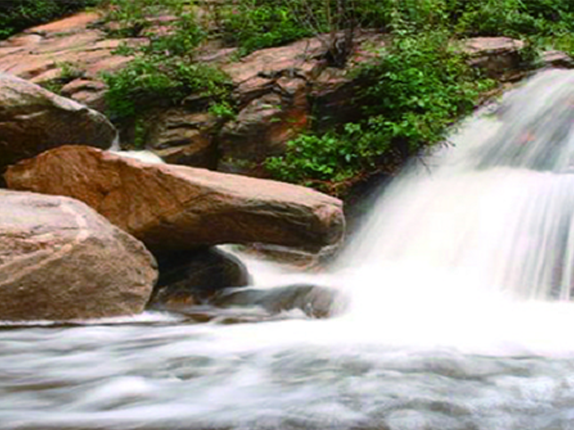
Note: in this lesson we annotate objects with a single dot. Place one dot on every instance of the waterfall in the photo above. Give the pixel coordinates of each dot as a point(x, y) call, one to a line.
point(497, 209)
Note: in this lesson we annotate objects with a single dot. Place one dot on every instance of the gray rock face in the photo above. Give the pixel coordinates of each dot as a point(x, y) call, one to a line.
point(33, 120)
point(60, 260)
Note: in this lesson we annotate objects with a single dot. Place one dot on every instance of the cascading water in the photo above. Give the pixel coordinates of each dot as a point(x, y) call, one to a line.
point(455, 321)
point(498, 208)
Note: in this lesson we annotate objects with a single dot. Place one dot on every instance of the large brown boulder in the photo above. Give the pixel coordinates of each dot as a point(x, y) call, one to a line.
point(60, 260)
point(495, 55)
point(33, 120)
point(173, 208)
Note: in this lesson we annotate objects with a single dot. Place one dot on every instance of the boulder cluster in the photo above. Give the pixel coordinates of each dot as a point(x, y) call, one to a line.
point(82, 228)
point(87, 232)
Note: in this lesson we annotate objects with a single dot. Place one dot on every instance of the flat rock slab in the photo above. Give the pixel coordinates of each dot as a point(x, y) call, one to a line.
point(60, 260)
point(33, 120)
point(173, 208)
point(40, 53)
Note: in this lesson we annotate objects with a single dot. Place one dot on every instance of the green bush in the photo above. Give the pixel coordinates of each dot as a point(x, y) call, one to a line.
point(257, 24)
point(150, 79)
point(163, 71)
point(416, 90)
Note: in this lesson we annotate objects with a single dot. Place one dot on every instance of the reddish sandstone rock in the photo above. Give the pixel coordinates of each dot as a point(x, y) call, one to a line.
point(174, 208)
point(42, 54)
point(60, 260)
point(276, 89)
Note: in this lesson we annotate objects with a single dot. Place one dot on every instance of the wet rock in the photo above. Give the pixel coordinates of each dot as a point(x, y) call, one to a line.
point(187, 278)
point(495, 55)
point(174, 208)
point(60, 260)
point(33, 120)
point(313, 300)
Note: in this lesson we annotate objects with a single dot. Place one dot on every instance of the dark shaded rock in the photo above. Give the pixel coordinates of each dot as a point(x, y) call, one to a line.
point(313, 300)
point(192, 277)
point(182, 137)
point(261, 130)
point(60, 260)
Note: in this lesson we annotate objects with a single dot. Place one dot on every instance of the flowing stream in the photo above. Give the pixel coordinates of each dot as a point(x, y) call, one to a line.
point(460, 317)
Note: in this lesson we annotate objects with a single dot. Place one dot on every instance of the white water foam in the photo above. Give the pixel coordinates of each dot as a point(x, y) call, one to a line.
point(474, 248)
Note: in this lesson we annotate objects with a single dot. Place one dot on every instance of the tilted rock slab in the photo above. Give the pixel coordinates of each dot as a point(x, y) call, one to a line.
point(60, 260)
point(33, 120)
point(172, 207)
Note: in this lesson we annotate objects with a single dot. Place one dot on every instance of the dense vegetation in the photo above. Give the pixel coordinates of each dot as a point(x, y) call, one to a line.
point(420, 85)
point(417, 87)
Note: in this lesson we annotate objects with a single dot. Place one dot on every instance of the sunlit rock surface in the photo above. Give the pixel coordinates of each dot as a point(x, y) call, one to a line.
point(173, 208)
point(60, 260)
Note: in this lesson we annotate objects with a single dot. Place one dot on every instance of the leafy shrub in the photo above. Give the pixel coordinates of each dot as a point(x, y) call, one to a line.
point(186, 35)
point(133, 16)
point(257, 24)
point(149, 80)
point(416, 91)
point(163, 71)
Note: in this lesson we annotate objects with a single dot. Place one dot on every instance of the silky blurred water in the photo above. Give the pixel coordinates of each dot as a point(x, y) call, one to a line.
point(459, 318)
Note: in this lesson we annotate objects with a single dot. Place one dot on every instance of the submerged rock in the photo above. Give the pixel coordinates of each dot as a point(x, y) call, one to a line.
point(33, 120)
point(60, 260)
point(313, 300)
point(192, 277)
point(175, 208)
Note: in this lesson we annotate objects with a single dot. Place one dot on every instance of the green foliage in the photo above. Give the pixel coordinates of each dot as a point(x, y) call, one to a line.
point(131, 17)
point(163, 71)
point(256, 24)
point(223, 109)
point(150, 79)
point(17, 15)
point(416, 90)
point(185, 36)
